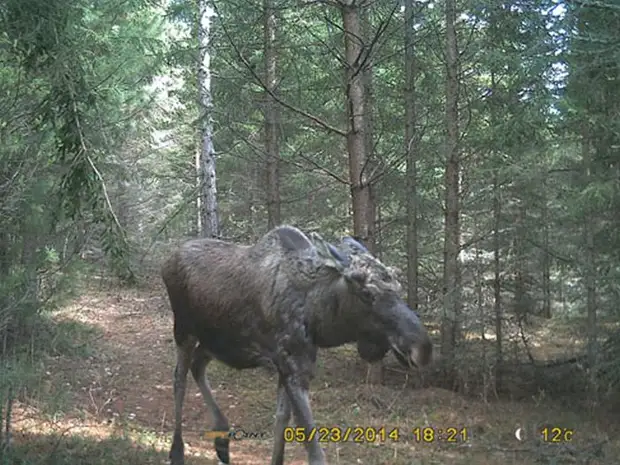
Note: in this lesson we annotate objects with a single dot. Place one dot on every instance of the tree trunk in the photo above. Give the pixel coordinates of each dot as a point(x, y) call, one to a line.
point(209, 221)
point(546, 258)
point(357, 141)
point(452, 279)
point(369, 141)
point(519, 288)
point(497, 215)
point(590, 279)
point(356, 137)
point(375, 370)
point(5, 247)
point(272, 148)
point(480, 270)
point(522, 303)
point(411, 155)
point(497, 283)
point(562, 288)
point(122, 208)
point(198, 197)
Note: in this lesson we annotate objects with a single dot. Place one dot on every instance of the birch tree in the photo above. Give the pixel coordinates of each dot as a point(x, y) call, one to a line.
point(272, 148)
point(207, 190)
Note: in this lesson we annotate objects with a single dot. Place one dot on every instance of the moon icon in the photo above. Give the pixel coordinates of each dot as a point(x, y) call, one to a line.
point(518, 434)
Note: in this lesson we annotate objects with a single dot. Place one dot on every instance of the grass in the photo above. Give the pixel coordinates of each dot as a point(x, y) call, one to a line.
point(58, 449)
point(98, 391)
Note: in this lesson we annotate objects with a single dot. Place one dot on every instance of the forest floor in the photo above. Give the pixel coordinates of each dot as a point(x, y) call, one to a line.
point(110, 401)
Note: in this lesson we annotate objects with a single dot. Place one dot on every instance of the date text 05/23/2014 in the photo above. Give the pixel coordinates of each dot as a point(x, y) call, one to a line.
point(362, 434)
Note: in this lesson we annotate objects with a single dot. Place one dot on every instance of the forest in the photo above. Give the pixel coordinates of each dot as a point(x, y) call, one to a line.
point(472, 145)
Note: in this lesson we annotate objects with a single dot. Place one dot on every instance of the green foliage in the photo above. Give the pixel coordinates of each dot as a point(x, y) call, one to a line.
point(72, 81)
point(519, 127)
point(97, 152)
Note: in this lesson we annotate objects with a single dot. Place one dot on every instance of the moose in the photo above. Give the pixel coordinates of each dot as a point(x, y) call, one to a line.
point(273, 304)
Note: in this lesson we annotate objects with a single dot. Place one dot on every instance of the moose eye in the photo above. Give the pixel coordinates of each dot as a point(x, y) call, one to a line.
point(366, 296)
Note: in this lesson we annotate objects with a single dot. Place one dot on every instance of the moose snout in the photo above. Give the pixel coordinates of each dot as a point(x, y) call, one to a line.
point(421, 354)
point(411, 342)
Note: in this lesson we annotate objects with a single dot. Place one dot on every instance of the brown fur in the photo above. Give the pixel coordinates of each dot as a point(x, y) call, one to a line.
point(273, 304)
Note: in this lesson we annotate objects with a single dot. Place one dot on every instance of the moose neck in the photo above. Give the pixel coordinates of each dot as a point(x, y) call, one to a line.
point(336, 319)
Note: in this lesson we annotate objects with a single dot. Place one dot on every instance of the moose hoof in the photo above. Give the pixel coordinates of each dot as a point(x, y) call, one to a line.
point(221, 448)
point(177, 461)
point(176, 457)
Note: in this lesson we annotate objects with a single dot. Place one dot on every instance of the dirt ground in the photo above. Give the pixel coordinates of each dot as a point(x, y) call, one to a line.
point(122, 385)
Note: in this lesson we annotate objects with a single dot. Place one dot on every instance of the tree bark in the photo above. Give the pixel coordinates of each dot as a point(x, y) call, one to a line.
point(497, 283)
point(357, 138)
point(480, 270)
point(590, 279)
point(122, 208)
point(546, 258)
point(208, 211)
point(375, 370)
point(452, 278)
point(497, 215)
point(411, 155)
point(522, 302)
point(272, 143)
point(198, 223)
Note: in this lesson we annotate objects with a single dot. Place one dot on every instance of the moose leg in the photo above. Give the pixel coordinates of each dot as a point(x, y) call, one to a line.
point(199, 364)
point(184, 356)
point(283, 415)
point(300, 402)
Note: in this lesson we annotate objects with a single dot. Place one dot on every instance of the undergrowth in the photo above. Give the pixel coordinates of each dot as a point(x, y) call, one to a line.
point(33, 337)
point(57, 449)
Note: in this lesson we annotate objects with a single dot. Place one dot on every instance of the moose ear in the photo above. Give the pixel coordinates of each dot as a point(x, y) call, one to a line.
point(331, 255)
point(335, 253)
point(355, 244)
